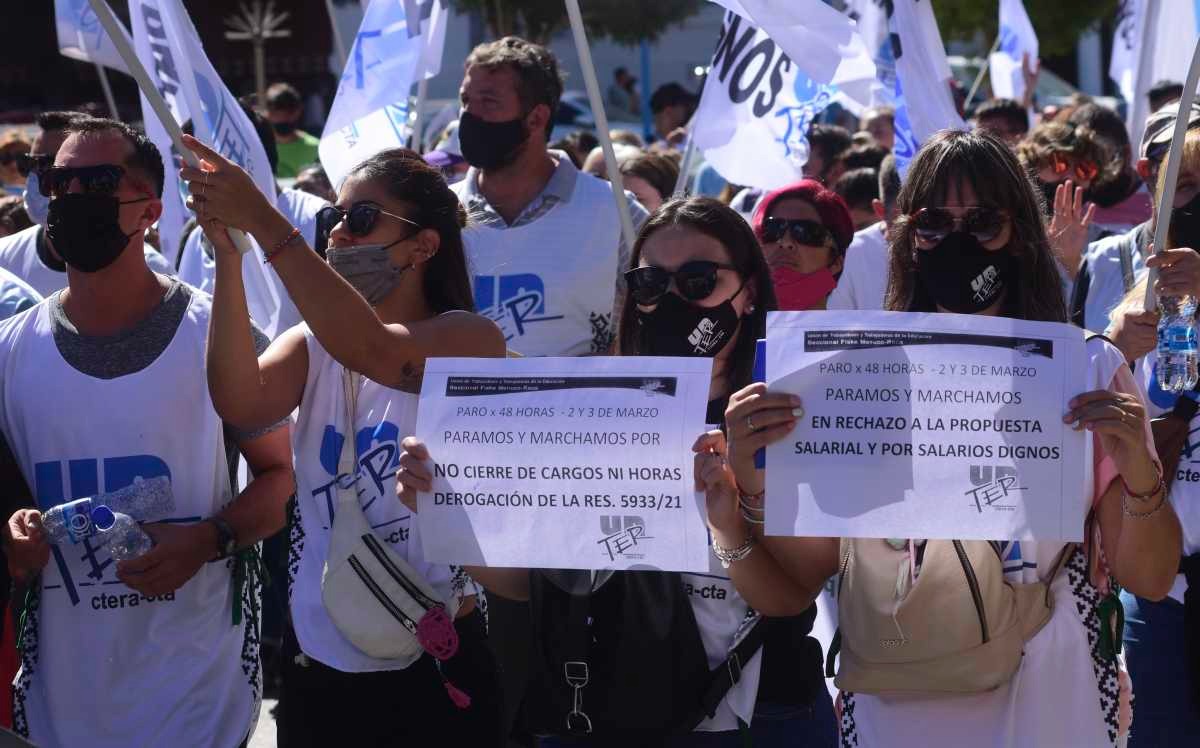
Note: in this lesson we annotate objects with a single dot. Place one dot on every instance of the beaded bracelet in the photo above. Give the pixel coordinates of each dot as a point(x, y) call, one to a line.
point(1127, 512)
point(729, 555)
point(269, 256)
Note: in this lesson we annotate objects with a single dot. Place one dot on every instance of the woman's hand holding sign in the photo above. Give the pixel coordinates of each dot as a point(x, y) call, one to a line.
point(754, 419)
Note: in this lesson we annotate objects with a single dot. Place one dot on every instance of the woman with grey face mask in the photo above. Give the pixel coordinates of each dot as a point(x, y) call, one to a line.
point(395, 290)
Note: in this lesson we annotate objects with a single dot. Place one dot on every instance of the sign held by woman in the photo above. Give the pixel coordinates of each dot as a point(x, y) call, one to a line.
point(927, 426)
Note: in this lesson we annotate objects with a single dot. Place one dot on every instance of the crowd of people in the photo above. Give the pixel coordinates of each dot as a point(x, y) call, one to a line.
point(117, 363)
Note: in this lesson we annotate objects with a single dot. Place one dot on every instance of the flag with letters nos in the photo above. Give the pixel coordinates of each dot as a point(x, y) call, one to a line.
point(81, 37)
point(1017, 38)
point(398, 43)
point(168, 46)
point(775, 68)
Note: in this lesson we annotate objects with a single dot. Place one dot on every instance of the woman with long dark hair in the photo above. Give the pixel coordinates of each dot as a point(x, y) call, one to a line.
point(969, 239)
point(696, 265)
point(394, 292)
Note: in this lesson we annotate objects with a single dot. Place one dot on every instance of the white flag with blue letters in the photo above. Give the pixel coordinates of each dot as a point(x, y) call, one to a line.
point(168, 45)
point(767, 83)
point(923, 100)
point(399, 42)
point(81, 37)
point(1017, 39)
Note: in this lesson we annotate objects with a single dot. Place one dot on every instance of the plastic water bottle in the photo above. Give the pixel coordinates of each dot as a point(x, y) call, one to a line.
point(147, 500)
point(126, 541)
point(1178, 356)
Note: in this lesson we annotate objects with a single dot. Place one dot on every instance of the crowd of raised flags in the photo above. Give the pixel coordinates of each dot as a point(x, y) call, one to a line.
point(775, 69)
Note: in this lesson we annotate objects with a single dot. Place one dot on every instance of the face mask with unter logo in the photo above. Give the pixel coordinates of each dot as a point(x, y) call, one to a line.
point(962, 275)
point(676, 328)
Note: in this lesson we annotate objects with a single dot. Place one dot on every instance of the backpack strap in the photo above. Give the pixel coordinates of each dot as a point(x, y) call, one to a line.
point(577, 636)
point(728, 674)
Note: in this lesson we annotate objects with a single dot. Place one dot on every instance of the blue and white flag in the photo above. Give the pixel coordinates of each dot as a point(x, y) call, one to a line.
point(1150, 43)
point(1017, 40)
point(924, 103)
point(169, 47)
point(81, 37)
point(871, 20)
point(399, 42)
point(767, 83)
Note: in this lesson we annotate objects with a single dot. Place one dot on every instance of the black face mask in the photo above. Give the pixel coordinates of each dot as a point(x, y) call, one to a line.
point(490, 145)
point(962, 276)
point(283, 128)
point(677, 328)
point(1185, 225)
point(86, 231)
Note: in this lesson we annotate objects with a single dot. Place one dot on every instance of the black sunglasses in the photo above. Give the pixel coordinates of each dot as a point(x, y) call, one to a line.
point(28, 163)
point(802, 231)
point(694, 280)
point(933, 224)
point(101, 179)
point(360, 219)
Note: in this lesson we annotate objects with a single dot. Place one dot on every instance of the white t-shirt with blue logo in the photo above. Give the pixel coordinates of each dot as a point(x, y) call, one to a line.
point(385, 417)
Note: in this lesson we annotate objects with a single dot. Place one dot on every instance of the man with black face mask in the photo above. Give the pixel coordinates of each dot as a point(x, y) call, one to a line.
point(1114, 264)
point(29, 254)
point(545, 241)
point(297, 149)
point(544, 246)
point(103, 384)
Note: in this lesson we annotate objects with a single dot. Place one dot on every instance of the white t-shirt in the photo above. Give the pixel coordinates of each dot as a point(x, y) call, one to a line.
point(19, 256)
point(1185, 491)
point(1061, 695)
point(105, 666)
point(547, 283)
point(385, 416)
point(198, 268)
point(865, 273)
point(723, 618)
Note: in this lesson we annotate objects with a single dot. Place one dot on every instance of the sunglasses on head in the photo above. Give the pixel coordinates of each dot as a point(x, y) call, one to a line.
point(1084, 170)
point(802, 231)
point(360, 219)
point(933, 224)
point(694, 280)
point(28, 163)
point(102, 179)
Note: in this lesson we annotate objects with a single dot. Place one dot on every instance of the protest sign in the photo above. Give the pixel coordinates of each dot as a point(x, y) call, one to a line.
point(580, 463)
point(927, 426)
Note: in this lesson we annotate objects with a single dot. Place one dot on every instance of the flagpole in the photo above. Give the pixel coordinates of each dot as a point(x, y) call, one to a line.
point(593, 91)
point(685, 164)
point(982, 72)
point(339, 44)
point(108, 94)
point(418, 143)
point(157, 103)
point(1166, 201)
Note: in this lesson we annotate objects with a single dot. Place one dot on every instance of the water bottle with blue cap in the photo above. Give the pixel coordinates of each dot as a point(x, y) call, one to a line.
point(148, 500)
point(126, 540)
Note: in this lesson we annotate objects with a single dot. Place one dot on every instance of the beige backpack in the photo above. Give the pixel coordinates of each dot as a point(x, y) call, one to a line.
point(960, 627)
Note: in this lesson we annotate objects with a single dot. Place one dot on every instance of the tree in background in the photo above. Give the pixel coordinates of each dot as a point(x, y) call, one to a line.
point(620, 20)
point(1058, 23)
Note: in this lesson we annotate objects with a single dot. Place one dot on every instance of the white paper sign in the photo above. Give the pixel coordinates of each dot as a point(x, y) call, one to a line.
point(572, 463)
point(927, 426)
